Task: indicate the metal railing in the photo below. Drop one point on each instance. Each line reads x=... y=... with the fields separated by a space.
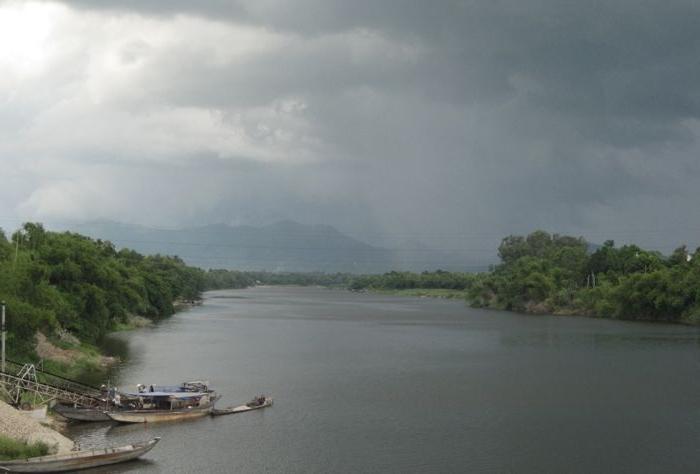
x=27 y=381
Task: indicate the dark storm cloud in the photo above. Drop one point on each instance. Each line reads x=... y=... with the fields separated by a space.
x=610 y=66
x=497 y=116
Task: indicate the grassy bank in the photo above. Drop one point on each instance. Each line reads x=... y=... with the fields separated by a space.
x=135 y=322
x=73 y=359
x=89 y=368
x=13 y=449
x=86 y=362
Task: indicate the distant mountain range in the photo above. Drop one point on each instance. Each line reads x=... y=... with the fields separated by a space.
x=285 y=246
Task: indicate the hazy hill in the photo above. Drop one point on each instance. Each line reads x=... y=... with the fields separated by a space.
x=283 y=246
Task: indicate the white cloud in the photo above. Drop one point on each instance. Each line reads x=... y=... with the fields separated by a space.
x=24 y=39
x=93 y=98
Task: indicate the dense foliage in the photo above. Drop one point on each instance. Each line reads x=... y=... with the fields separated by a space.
x=56 y=282
x=552 y=273
x=545 y=273
x=64 y=282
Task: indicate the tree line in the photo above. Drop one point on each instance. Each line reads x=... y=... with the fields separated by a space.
x=61 y=281
x=58 y=282
x=438 y=279
x=220 y=279
x=55 y=282
x=551 y=273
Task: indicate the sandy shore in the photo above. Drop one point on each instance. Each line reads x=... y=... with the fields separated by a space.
x=15 y=425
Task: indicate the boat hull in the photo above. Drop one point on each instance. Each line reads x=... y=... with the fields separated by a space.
x=156 y=416
x=79 y=459
x=240 y=409
x=81 y=414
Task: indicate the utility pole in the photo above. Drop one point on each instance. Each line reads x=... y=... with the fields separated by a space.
x=3 y=337
x=19 y=236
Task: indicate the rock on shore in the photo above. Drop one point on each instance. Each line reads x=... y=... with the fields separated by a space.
x=14 y=424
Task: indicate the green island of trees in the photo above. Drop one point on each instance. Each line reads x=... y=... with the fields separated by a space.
x=550 y=273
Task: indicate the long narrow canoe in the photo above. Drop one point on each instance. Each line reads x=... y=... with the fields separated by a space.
x=79 y=459
x=242 y=408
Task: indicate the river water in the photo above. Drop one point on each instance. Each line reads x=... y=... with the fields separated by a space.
x=372 y=383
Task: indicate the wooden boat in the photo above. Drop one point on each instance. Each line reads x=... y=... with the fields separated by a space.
x=154 y=416
x=152 y=407
x=255 y=404
x=81 y=413
x=79 y=459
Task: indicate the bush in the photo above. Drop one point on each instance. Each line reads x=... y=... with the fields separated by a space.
x=13 y=449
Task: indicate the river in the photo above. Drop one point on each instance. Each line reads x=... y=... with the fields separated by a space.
x=373 y=383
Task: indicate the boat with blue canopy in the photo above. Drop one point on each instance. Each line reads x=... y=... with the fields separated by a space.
x=155 y=406
x=116 y=401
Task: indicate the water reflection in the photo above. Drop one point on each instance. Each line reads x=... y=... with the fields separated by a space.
x=556 y=338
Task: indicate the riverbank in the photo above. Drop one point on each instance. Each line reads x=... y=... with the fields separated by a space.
x=67 y=356
x=73 y=359
x=134 y=322
x=21 y=427
x=531 y=308
x=423 y=292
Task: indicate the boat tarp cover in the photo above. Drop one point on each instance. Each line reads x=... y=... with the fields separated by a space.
x=166 y=394
x=169 y=388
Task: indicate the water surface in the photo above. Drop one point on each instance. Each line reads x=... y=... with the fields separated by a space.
x=371 y=383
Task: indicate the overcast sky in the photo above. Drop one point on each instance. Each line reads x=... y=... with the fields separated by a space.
x=444 y=121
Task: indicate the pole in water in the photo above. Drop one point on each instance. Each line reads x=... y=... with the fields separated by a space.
x=3 y=336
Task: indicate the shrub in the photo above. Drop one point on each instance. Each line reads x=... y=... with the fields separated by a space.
x=13 y=449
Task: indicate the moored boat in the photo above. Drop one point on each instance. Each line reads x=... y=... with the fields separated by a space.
x=154 y=416
x=115 y=401
x=151 y=407
x=78 y=413
x=79 y=459
x=256 y=403
x=109 y=397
